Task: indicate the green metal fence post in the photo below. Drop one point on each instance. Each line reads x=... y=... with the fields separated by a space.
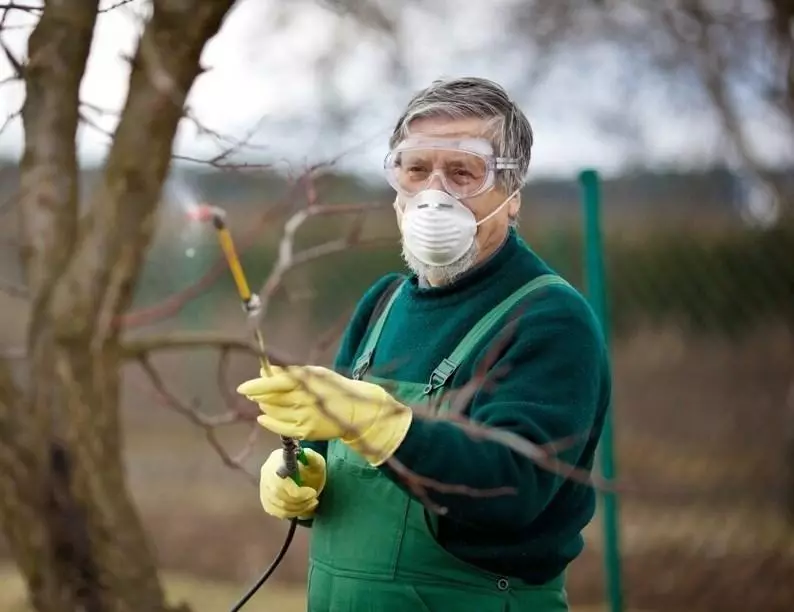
x=596 y=287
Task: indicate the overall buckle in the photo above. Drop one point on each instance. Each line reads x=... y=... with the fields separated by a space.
x=362 y=365
x=440 y=375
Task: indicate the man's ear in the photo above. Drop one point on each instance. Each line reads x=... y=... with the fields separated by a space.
x=514 y=206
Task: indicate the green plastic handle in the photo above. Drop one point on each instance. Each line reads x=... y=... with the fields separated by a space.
x=301 y=457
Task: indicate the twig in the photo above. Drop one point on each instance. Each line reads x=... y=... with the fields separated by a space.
x=222 y=165
x=329 y=336
x=17 y=65
x=115 y=5
x=8 y=120
x=136 y=348
x=93 y=124
x=25 y=8
x=249 y=445
x=174 y=303
x=234 y=144
x=13 y=290
x=100 y=110
x=233 y=402
x=206 y=423
x=288 y=259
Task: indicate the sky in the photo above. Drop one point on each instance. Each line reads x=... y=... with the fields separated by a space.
x=265 y=75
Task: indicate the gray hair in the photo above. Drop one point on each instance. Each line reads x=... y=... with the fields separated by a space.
x=511 y=133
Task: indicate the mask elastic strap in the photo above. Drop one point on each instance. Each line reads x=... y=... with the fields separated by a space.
x=498 y=208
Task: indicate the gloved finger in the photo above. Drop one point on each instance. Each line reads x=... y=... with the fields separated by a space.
x=282 y=428
x=297 y=398
x=311 y=471
x=284 y=492
x=289 y=513
x=279 y=381
x=286 y=502
x=270 y=479
x=308 y=381
x=287 y=491
x=295 y=416
x=317 y=371
x=276 y=508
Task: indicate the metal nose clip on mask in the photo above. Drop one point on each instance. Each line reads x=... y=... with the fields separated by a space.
x=439 y=229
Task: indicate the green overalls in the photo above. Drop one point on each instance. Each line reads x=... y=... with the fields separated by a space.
x=372 y=549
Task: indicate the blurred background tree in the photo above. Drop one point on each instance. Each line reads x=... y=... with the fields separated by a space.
x=734 y=57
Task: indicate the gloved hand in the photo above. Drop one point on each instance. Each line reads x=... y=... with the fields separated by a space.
x=315 y=403
x=284 y=499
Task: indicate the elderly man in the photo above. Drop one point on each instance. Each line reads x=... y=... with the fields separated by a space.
x=410 y=510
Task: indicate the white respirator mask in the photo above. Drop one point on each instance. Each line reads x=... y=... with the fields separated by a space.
x=439 y=229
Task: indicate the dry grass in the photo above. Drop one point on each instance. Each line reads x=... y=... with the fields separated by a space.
x=202 y=595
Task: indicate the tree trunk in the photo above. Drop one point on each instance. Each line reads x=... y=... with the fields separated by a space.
x=64 y=503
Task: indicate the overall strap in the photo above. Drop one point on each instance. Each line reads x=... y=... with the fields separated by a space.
x=365 y=359
x=448 y=366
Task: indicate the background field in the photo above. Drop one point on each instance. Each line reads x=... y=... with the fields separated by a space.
x=702 y=307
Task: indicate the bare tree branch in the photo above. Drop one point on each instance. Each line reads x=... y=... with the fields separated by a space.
x=218 y=163
x=25 y=8
x=231 y=145
x=9 y=119
x=13 y=290
x=176 y=302
x=142 y=350
x=288 y=259
x=16 y=65
x=207 y=424
x=137 y=348
x=712 y=67
x=705 y=51
x=115 y=5
x=162 y=73
x=329 y=337
x=30 y=8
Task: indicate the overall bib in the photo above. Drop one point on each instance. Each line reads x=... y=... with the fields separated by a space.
x=372 y=548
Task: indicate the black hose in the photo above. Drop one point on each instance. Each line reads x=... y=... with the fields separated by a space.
x=269 y=571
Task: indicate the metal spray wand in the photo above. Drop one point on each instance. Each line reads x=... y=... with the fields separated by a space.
x=252 y=305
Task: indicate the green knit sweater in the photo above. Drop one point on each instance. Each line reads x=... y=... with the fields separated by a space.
x=553 y=385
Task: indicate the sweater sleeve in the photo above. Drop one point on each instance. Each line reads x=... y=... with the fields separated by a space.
x=547 y=385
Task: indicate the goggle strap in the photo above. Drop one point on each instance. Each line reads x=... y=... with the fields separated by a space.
x=505 y=163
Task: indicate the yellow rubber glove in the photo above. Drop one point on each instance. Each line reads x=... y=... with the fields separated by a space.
x=315 y=403
x=281 y=497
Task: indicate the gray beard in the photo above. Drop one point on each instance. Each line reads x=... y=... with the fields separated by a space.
x=441 y=275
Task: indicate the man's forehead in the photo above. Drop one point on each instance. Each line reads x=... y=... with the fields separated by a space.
x=469 y=127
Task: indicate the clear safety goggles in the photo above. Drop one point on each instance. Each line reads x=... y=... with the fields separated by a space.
x=464 y=167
